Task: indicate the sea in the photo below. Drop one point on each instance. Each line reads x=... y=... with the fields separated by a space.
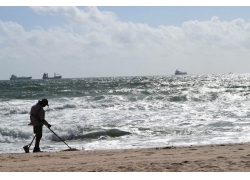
x=127 y=112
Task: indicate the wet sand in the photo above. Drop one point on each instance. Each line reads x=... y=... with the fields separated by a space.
x=210 y=158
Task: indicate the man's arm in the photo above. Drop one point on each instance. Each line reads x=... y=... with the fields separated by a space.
x=41 y=116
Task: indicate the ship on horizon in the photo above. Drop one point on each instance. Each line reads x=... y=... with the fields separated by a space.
x=177 y=72
x=14 y=77
x=56 y=76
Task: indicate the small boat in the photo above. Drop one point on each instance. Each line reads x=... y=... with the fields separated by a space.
x=14 y=77
x=177 y=72
x=56 y=76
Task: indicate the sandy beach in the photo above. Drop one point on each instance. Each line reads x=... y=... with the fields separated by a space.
x=210 y=158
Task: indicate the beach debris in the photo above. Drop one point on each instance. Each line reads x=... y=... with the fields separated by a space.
x=71 y=149
x=167 y=147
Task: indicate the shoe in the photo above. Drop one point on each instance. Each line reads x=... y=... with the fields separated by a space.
x=37 y=150
x=26 y=148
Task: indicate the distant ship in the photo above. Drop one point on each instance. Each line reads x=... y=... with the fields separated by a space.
x=177 y=72
x=56 y=76
x=14 y=77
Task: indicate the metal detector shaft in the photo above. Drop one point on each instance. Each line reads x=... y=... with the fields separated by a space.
x=58 y=137
x=32 y=140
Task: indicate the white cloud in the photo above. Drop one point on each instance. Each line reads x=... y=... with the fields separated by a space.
x=95 y=43
x=88 y=18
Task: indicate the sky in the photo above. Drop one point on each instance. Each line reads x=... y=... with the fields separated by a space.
x=132 y=40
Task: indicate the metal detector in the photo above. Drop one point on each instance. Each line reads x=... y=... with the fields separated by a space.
x=58 y=137
x=27 y=147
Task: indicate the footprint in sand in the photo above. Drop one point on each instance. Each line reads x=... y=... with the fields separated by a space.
x=65 y=158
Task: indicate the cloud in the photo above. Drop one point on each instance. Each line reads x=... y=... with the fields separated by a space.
x=95 y=43
x=89 y=17
x=216 y=32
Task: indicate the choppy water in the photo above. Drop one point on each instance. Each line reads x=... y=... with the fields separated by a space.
x=128 y=112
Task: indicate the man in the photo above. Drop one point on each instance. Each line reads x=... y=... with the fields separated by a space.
x=37 y=116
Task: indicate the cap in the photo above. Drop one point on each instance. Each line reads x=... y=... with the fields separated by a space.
x=45 y=101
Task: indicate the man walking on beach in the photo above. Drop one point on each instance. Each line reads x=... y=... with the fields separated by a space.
x=37 y=115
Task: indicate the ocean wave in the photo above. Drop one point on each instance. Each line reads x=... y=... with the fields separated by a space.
x=93 y=135
x=9 y=111
x=66 y=106
x=8 y=135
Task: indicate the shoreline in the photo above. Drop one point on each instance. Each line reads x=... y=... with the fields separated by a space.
x=205 y=158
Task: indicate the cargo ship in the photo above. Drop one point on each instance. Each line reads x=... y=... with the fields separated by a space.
x=14 y=77
x=177 y=72
x=56 y=76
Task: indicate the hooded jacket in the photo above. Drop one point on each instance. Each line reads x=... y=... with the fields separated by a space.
x=37 y=115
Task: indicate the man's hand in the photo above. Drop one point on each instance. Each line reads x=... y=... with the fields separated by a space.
x=49 y=125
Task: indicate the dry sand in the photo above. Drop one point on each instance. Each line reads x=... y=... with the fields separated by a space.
x=211 y=158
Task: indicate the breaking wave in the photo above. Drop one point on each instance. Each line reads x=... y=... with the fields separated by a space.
x=94 y=135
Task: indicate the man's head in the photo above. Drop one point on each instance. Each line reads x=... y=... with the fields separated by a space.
x=44 y=102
